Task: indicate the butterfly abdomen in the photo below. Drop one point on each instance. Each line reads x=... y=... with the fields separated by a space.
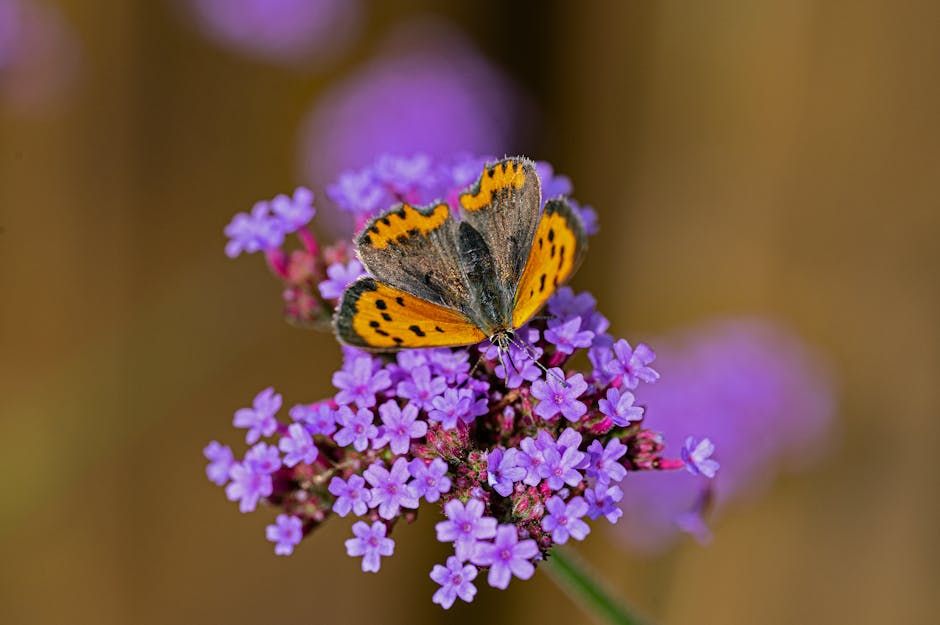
x=489 y=303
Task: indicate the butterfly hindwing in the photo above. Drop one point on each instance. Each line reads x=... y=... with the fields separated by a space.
x=377 y=316
x=414 y=249
x=503 y=206
x=557 y=249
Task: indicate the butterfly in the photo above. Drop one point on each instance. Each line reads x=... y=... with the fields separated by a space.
x=439 y=280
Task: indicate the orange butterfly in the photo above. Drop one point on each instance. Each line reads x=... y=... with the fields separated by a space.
x=440 y=282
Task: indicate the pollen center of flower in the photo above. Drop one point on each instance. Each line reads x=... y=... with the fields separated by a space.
x=505 y=555
x=466 y=528
x=558 y=398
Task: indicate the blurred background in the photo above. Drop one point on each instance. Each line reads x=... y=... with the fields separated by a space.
x=769 y=160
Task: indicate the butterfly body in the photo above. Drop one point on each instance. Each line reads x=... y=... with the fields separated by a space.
x=439 y=282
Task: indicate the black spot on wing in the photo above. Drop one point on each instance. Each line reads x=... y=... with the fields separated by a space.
x=400 y=301
x=418 y=331
x=398 y=340
x=386 y=316
x=438 y=328
x=380 y=304
x=542 y=283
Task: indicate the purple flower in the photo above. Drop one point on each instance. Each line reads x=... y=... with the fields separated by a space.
x=456 y=405
x=370 y=543
x=602 y=461
x=430 y=480
x=559 y=467
x=521 y=366
x=602 y=501
x=697 y=457
x=257 y=231
x=556 y=395
x=359 y=383
x=530 y=458
x=318 y=418
x=564 y=519
x=619 y=407
x=298 y=446
x=465 y=525
x=295 y=212
x=286 y=533
x=249 y=484
x=259 y=419
x=588 y=217
x=568 y=336
x=357 y=192
x=601 y=355
x=452 y=364
x=456 y=580
x=356 y=428
x=422 y=388
x=552 y=185
x=506 y=556
x=350 y=494
x=399 y=426
x=264 y=457
x=390 y=492
x=633 y=364
x=340 y=277
x=220 y=459
x=502 y=470
x=401 y=174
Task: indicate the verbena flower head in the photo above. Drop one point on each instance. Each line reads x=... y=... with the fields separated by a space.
x=518 y=451
x=749 y=388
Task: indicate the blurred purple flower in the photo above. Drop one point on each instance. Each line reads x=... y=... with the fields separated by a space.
x=286 y=32
x=455 y=580
x=357 y=382
x=350 y=494
x=697 y=457
x=371 y=544
x=220 y=459
x=319 y=418
x=298 y=446
x=502 y=470
x=399 y=426
x=356 y=428
x=286 y=533
x=430 y=479
x=259 y=419
x=465 y=526
x=340 y=276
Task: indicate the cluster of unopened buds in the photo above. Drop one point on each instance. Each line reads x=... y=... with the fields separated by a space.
x=517 y=449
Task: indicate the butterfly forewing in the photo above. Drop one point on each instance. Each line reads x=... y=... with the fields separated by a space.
x=503 y=206
x=414 y=249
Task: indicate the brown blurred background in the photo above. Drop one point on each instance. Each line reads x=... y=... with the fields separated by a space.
x=778 y=158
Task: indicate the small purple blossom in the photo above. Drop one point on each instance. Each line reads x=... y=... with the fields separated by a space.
x=556 y=395
x=530 y=459
x=453 y=365
x=421 y=388
x=356 y=428
x=248 y=484
x=564 y=519
x=603 y=463
x=253 y=232
x=357 y=192
x=560 y=468
x=319 y=418
x=358 y=382
x=294 y=212
x=259 y=419
x=430 y=479
x=465 y=526
x=371 y=543
x=220 y=459
x=340 y=276
x=399 y=426
x=568 y=336
x=619 y=407
x=697 y=457
x=456 y=405
x=521 y=366
x=455 y=580
x=298 y=446
x=264 y=457
x=602 y=501
x=506 y=556
x=286 y=533
x=350 y=494
x=502 y=470
x=390 y=491
x=633 y=364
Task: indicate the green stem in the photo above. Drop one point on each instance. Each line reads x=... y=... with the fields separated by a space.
x=571 y=574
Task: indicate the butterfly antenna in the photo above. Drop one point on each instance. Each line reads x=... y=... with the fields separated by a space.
x=499 y=354
x=519 y=342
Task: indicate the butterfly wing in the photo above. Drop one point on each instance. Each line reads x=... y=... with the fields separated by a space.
x=503 y=206
x=414 y=249
x=377 y=316
x=557 y=249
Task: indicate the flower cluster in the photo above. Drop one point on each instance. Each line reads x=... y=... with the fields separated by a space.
x=518 y=449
